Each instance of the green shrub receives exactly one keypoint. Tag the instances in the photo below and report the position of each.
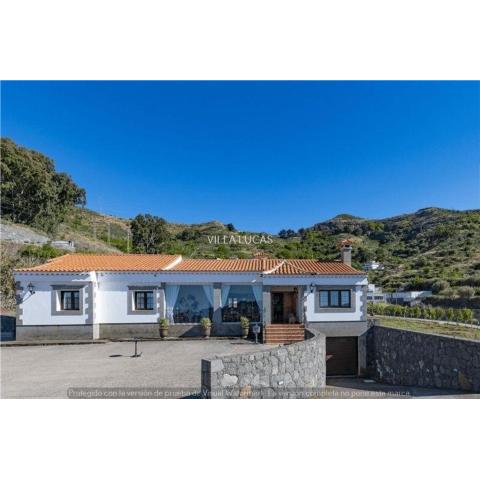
(439, 286)
(466, 315)
(466, 292)
(163, 322)
(450, 314)
(416, 312)
(45, 252)
(244, 322)
(205, 322)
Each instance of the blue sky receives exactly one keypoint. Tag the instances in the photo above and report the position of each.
(262, 155)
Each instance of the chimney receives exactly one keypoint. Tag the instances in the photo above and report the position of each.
(346, 252)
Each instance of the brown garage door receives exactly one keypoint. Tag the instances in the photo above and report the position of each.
(343, 355)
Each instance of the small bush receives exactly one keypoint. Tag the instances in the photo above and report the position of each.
(163, 322)
(439, 286)
(244, 322)
(45, 252)
(466, 292)
(450, 315)
(205, 322)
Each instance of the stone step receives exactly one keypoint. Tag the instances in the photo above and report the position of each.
(286, 325)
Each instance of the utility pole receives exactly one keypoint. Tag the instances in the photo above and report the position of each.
(128, 241)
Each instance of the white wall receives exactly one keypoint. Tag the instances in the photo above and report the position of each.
(111, 294)
(112, 304)
(37, 307)
(336, 316)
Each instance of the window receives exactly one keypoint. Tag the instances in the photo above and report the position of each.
(70, 300)
(144, 300)
(191, 304)
(335, 298)
(240, 303)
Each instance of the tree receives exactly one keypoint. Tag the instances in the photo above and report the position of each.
(33, 192)
(230, 227)
(149, 233)
(285, 234)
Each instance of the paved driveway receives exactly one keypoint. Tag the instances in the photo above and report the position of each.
(49, 371)
(170, 368)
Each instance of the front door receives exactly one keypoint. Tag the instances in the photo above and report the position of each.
(284, 307)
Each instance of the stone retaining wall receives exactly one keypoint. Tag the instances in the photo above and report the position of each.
(288, 371)
(402, 357)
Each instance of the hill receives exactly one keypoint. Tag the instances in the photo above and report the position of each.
(432, 248)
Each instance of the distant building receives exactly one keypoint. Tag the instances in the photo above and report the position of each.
(64, 245)
(372, 265)
(375, 294)
(408, 298)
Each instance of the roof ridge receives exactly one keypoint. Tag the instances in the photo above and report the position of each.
(174, 263)
(294, 267)
(58, 258)
(276, 267)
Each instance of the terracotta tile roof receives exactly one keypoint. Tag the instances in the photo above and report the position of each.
(226, 265)
(143, 263)
(78, 262)
(315, 267)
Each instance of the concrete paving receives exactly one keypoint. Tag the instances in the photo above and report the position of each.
(49, 371)
(350, 388)
(163, 370)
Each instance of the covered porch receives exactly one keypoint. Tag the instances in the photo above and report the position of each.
(283, 314)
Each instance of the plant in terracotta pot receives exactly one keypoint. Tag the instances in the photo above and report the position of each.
(245, 324)
(163, 324)
(207, 326)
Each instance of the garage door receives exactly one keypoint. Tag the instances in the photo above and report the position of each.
(342, 356)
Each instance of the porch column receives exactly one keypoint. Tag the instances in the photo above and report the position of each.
(217, 303)
(267, 305)
(161, 301)
(300, 304)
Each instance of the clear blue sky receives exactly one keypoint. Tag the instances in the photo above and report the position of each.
(262, 155)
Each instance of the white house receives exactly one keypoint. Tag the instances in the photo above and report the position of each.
(375, 294)
(88, 296)
(409, 298)
(372, 265)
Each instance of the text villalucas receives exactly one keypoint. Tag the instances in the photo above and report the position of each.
(239, 239)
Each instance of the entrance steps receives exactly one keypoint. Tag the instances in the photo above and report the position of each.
(284, 333)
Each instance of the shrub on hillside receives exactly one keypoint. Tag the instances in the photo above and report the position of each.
(425, 311)
(439, 286)
(466, 292)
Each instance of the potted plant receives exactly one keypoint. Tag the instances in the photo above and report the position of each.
(207, 326)
(163, 324)
(245, 323)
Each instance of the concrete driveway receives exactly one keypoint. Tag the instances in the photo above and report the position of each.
(50, 371)
(169, 369)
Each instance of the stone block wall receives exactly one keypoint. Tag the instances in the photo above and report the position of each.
(287, 371)
(401, 357)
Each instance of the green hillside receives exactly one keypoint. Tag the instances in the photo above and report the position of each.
(432, 248)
